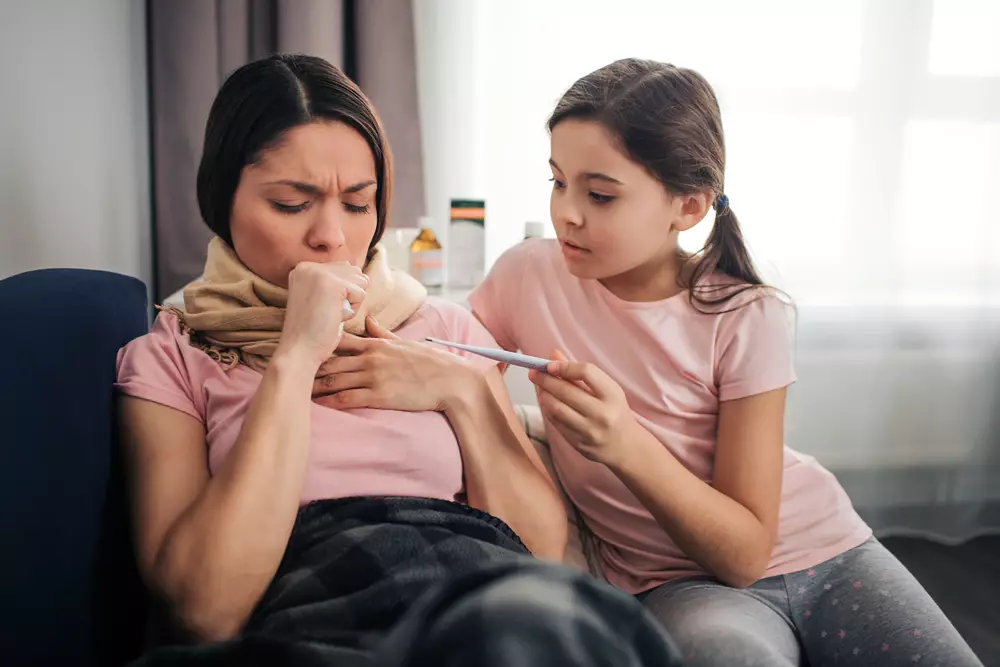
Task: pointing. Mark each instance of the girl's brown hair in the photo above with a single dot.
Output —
(667, 119)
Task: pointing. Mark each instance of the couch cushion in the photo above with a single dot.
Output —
(68, 597)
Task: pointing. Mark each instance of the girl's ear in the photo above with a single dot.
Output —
(692, 209)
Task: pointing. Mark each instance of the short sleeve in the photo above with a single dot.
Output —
(754, 349)
(155, 367)
(460, 326)
(496, 298)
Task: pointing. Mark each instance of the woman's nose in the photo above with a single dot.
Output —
(327, 232)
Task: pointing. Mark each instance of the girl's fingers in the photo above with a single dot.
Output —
(562, 414)
(567, 392)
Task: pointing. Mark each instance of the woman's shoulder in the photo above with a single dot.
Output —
(166, 332)
(162, 366)
(438, 316)
(447, 320)
(167, 344)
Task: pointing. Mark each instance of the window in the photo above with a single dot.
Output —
(863, 137)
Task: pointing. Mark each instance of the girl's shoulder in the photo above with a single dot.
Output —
(530, 256)
(729, 298)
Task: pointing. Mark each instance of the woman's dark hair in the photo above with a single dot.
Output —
(257, 104)
(667, 119)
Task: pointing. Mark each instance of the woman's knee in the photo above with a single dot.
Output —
(548, 616)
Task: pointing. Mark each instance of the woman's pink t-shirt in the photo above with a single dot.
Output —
(675, 365)
(351, 452)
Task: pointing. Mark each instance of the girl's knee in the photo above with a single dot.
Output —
(719, 644)
(727, 629)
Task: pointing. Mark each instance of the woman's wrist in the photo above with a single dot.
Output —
(467, 391)
(294, 361)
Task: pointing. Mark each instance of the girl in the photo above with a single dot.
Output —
(666, 429)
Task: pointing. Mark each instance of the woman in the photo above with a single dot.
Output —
(281, 516)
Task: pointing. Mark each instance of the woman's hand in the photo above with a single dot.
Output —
(316, 312)
(587, 407)
(386, 372)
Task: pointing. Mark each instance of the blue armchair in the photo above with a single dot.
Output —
(69, 592)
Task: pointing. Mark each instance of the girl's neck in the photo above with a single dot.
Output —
(655, 280)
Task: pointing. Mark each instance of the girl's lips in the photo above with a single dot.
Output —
(571, 251)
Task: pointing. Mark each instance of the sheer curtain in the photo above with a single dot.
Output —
(864, 163)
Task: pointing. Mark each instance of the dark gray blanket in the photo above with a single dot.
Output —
(412, 581)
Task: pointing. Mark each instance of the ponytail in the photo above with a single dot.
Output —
(724, 252)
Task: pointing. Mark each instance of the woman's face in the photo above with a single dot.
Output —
(311, 197)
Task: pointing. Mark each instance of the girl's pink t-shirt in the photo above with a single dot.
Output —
(675, 365)
(351, 452)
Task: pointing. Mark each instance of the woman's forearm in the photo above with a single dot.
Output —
(219, 557)
(718, 533)
(500, 478)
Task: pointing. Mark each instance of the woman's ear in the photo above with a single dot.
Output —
(692, 209)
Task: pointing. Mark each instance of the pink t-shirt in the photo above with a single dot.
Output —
(675, 365)
(351, 452)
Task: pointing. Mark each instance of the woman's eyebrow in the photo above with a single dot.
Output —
(358, 187)
(304, 188)
(313, 190)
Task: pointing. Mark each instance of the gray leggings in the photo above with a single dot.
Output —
(860, 608)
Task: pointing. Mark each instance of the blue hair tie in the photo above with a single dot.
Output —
(721, 202)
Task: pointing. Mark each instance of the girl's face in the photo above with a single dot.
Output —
(615, 222)
(309, 198)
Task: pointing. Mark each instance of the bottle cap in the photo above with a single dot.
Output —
(534, 230)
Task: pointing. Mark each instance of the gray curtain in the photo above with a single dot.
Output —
(195, 44)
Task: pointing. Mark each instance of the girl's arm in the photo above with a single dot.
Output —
(729, 526)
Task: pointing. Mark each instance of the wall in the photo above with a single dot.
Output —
(74, 176)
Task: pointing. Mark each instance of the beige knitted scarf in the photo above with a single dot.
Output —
(236, 316)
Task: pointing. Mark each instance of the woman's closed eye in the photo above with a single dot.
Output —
(354, 208)
(556, 183)
(289, 207)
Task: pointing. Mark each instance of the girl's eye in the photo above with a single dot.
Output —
(352, 208)
(557, 184)
(289, 208)
(600, 199)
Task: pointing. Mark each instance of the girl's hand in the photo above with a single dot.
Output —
(315, 314)
(587, 407)
(388, 373)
